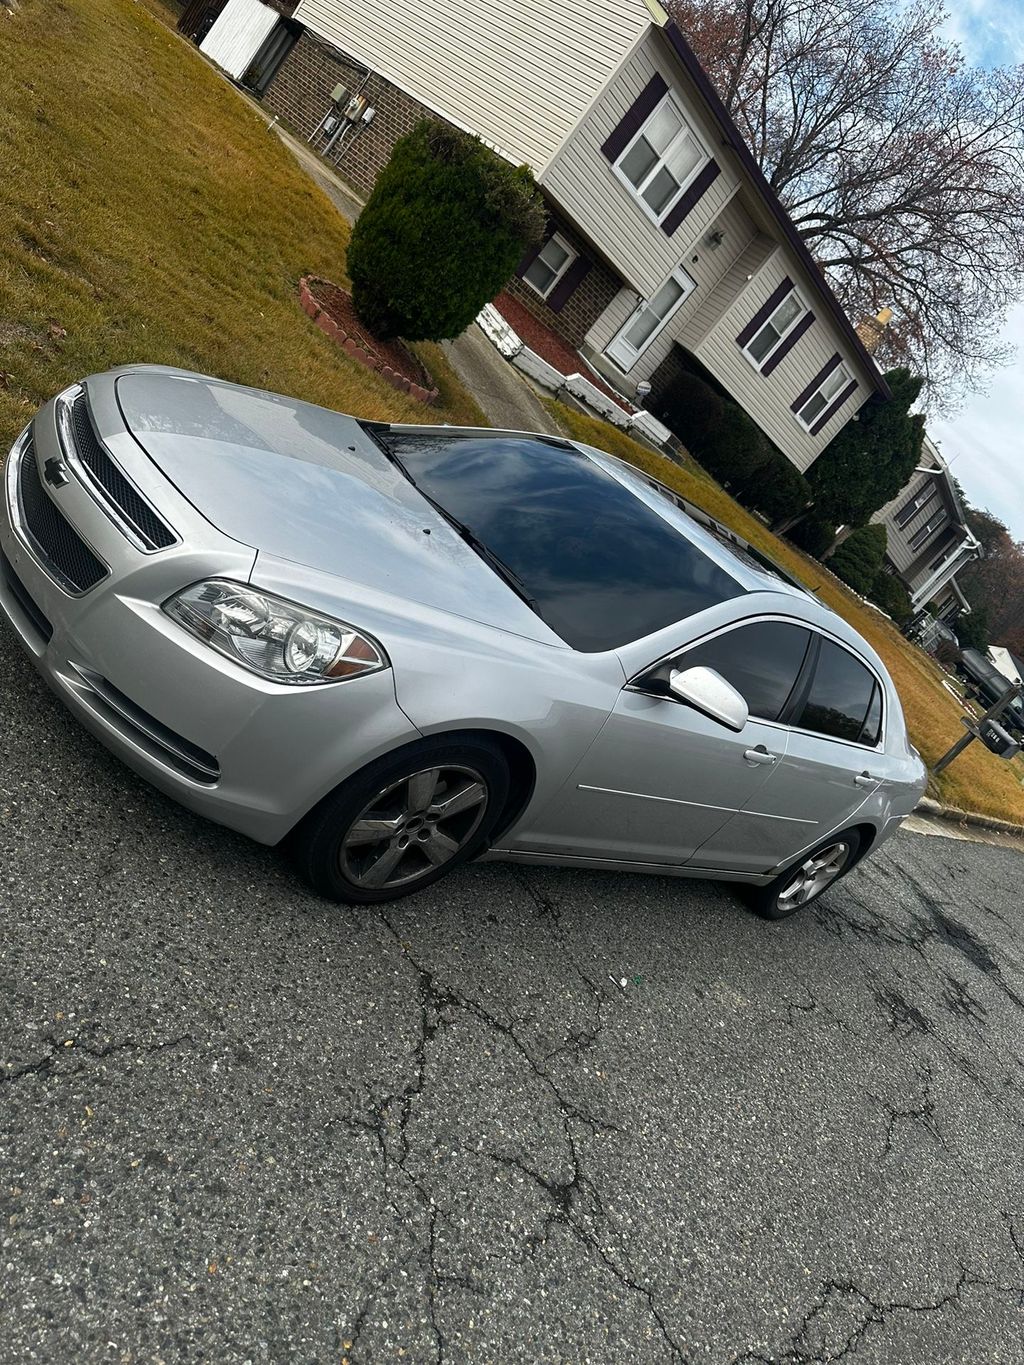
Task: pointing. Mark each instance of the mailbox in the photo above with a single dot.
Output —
(998, 740)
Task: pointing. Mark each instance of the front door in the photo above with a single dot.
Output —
(662, 779)
(647, 321)
(658, 782)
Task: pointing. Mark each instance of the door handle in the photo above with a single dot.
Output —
(759, 755)
(866, 780)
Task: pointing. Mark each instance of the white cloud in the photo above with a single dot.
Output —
(985, 440)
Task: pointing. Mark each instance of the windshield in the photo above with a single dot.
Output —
(597, 564)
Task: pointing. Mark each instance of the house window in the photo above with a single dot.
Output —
(920, 499)
(768, 339)
(649, 319)
(549, 265)
(933, 524)
(819, 400)
(661, 160)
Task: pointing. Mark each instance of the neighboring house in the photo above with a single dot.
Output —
(928, 537)
(1007, 662)
(666, 248)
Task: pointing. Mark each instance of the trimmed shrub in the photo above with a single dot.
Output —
(814, 534)
(776, 489)
(889, 593)
(716, 432)
(858, 561)
(446, 225)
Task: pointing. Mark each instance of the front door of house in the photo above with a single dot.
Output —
(646, 322)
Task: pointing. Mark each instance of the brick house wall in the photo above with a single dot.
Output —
(585, 304)
(301, 90)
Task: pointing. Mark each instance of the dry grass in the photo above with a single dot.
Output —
(147, 215)
(975, 781)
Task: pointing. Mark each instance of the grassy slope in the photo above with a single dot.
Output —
(146, 212)
(976, 780)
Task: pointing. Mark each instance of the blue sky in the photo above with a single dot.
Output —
(985, 438)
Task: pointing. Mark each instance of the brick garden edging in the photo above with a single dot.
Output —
(353, 345)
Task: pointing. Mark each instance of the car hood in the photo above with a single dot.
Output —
(308, 485)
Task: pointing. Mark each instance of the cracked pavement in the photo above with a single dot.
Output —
(240, 1124)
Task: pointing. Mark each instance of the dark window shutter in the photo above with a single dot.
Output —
(568, 284)
(787, 343)
(691, 196)
(764, 312)
(550, 228)
(815, 383)
(834, 407)
(635, 117)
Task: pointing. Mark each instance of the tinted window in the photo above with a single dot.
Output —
(760, 660)
(598, 565)
(840, 696)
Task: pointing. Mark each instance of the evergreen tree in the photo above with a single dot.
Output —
(867, 463)
(446, 225)
(858, 560)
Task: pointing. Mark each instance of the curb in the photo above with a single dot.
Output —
(968, 817)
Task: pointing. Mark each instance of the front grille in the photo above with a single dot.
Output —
(150, 734)
(21, 595)
(61, 550)
(121, 494)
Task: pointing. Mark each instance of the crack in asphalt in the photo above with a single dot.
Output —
(922, 1112)
(65, 1047)
(563, 1194)
(801, 1351)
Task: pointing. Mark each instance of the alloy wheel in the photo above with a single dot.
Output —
(413, 827)
(819, 871)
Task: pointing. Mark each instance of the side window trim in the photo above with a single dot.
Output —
(636, 682)
(801, 687)
(799, 697)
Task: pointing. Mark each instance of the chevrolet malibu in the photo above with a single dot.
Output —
(404, 647)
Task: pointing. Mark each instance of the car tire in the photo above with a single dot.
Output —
(806, 879)
(404, 821)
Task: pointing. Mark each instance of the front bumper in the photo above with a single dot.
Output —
(247, 753)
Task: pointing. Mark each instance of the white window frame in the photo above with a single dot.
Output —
(687, 131)
(752, 359)
(571, 255)
(840, 369)
(626, 362)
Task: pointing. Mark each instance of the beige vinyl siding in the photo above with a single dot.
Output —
(708, 272)
(898, 538)
(521, 76)
(768, 399)
(582, 182)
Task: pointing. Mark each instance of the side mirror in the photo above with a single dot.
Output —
(708, 692)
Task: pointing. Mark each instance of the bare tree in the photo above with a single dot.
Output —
(901, 166)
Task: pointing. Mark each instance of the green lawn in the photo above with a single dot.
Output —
(146, 214)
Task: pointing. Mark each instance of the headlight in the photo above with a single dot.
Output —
(273, 638)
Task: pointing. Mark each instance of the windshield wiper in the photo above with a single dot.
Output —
(507, 575)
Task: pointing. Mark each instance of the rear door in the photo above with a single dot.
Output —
(832, 763)
(661, 778)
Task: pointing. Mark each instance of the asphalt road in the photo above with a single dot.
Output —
(240, 1124)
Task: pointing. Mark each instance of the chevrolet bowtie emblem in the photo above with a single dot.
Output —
(55, 472)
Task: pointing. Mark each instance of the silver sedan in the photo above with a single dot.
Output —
(404, 647)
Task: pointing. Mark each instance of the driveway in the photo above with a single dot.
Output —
(530, 1115)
